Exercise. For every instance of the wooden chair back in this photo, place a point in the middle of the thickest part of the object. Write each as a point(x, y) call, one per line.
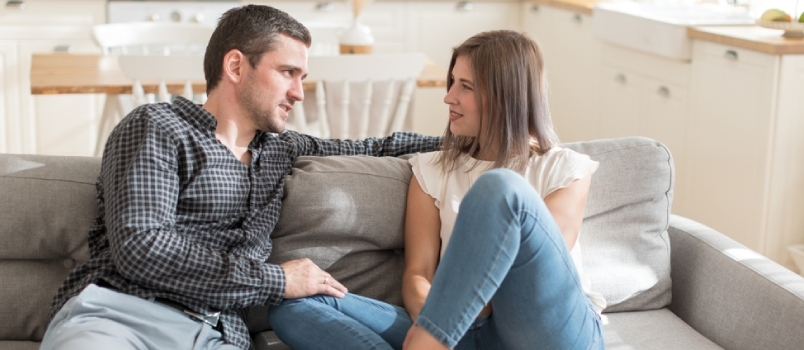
point(359, 96)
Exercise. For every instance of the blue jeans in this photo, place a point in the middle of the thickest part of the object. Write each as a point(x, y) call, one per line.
point(505, 249)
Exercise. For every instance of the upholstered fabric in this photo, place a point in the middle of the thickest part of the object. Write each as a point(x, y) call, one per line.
point(46, 208)
point(626, 251)
point(724, 290)
point(651, 330)
point(347, 214)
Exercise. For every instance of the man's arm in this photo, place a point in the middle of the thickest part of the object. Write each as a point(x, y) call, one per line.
point(140, 184)
point(397, 144)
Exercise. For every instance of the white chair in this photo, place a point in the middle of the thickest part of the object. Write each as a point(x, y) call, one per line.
point(359, 96)
point(143, 38)
point(171, 74)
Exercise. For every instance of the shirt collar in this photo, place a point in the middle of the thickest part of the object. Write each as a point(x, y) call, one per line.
point(195, 113)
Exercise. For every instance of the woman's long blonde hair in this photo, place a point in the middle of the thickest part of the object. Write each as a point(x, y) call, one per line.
point(511, 92)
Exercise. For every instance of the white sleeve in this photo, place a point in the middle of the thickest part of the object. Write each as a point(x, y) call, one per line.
point(428, 174)
point(563, 166)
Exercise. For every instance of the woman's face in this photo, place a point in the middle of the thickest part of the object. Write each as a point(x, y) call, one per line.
point(464, 114)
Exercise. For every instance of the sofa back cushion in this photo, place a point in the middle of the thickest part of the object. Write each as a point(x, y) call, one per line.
point(47, 207)
point(347, 215)
point(626, 249)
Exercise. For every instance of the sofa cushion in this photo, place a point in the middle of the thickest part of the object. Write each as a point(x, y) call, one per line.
point(626, 249)
point(347, 214)
point(651, 330)
point(46, 211)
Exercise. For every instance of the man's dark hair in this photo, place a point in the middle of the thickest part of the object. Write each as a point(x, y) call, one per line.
point(252, 29)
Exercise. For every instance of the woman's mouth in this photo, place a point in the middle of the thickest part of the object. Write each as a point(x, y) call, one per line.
point(454, 116)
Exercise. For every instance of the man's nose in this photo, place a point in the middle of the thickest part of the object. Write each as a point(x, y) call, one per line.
point(296, 92)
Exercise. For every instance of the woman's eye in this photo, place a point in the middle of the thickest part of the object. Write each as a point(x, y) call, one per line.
point(467, 87)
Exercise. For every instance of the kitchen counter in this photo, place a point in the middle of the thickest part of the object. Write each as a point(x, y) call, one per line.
point(749, 37)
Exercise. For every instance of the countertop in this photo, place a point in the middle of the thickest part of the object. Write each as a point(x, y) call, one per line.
point(749, 37)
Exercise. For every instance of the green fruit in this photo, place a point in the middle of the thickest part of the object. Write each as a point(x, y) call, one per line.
point(801, 19)
point(775, 15)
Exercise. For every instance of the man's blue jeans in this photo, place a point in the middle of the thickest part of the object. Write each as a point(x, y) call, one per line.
point(505, 249)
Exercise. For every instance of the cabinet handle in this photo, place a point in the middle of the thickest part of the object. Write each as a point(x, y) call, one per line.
point(325, 6)
point(664, 91)
point(620, 78)
point(731, 55)
point(63, 49)
point(15, 4)
point(465, 6)
point(534, 8)
point(577, 18)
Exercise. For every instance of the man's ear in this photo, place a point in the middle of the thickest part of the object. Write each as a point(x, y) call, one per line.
point(233, 65)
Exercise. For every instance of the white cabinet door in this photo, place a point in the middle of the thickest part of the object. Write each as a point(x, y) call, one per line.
point(42, 26)
point(436, 27)
point(729, 137)
point(572, 59)
point(619, 103)
point(10, 141)
point(786, 203)
point(646, 95)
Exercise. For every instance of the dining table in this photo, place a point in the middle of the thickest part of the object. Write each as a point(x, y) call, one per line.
point(57, 73)
point(66, 73)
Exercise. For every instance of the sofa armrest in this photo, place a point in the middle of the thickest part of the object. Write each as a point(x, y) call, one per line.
point(732, 295)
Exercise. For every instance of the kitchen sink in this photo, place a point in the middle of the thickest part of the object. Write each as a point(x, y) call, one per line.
point(660, 29)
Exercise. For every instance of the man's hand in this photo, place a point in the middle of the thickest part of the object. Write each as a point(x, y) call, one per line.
point(304, 278)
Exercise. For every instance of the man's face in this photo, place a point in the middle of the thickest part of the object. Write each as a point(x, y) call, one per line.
point(272, 87)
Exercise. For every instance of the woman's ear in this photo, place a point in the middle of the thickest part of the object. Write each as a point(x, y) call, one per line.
point(233, 66)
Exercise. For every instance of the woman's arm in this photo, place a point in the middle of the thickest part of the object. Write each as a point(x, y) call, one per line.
point(567, 206)
point(422, 247)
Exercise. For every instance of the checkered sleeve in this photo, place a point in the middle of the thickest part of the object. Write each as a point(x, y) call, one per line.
point(397, 144)
point(140, 178)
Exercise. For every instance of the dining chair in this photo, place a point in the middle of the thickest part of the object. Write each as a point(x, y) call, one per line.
point(358, 96)
point(144, 38)
point(173, 75)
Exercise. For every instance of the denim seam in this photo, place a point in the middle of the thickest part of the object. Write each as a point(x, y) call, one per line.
point(435, 331)
point(351, 330)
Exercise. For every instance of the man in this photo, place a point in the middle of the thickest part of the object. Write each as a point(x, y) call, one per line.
point(188, 196)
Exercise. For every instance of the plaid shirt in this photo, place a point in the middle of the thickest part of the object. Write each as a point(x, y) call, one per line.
point(181, 218)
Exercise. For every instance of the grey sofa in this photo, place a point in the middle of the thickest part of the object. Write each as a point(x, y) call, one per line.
point(671, 283)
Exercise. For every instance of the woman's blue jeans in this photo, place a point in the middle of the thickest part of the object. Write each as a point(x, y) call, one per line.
point(505, 249)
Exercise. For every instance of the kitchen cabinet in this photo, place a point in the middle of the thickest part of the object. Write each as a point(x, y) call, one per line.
point(45, 124)
point(647, 95)
point(746, 149)
point(436, 27)
point(572, 59)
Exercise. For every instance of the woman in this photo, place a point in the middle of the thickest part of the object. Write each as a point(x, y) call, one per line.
point(491, 252)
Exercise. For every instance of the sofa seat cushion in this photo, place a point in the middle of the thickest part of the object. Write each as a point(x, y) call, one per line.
point(651, 330)
point(644, 330)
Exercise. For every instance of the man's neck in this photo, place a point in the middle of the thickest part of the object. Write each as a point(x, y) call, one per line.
point(232, 130)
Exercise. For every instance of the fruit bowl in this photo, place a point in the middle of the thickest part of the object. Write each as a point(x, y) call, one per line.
point(791, 29)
